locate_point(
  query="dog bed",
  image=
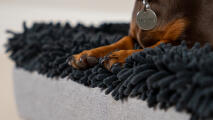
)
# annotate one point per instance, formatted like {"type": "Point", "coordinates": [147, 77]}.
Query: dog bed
{"type": "Point", "coordinates": [164, 76]}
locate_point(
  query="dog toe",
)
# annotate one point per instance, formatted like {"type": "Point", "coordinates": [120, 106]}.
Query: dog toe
{"type": "Point", "coordinates": [115, 59]}
{"type": "Point", "coordinates": [69, 60]}
{"type": "Point", "coordinates": [113, 62]}
{"type": "Point", "coordinates": [81, 62]}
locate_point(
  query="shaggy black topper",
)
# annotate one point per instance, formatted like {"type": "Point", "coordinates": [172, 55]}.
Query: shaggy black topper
{"type": "Point", "coordinates": [164, 76]}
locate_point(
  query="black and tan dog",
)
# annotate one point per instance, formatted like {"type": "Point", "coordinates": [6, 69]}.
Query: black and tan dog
{"type": "Point", "coordinates": [191, 20]}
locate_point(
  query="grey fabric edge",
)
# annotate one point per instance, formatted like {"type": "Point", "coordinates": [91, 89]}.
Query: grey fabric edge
{"type": "Point", "coordinates": [41, 98]}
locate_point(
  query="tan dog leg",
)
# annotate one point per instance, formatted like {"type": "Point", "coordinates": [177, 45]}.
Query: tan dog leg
{"type": "Point", "coordinates": [119, 57]}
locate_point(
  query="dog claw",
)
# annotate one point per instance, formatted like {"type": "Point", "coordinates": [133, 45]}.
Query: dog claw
{"type": "Point", "coordinates": [81, 60]}
{"type": "Point", "coordinates": [116, 64]}
{"type": "Point", "coordinates": [69, 59]}
{"type": "Point", "coordinates": [102, 60]}
{"type": "Point", "coordinates": [107, 57]}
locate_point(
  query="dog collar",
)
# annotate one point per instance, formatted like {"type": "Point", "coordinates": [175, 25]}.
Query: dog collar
{"type": "Point", "coordinates": [146, 18]}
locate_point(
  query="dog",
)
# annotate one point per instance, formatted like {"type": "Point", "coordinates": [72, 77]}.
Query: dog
{"type": "Point", "coordinates": [189, 20]}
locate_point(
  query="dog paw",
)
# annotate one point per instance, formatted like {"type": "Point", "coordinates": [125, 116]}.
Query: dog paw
{"type": "Point", "coordinates": [83, 60]}
{"type": "Point", "coordinates": [115, 58]}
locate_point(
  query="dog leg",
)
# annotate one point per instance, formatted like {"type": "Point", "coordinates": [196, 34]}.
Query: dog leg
{"type": "Point", "coordinates": [89, 58]}
{"type": "Point", "coordinates": [119, 57]}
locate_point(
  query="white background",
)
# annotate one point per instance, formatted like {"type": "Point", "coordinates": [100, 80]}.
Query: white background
{"type": "Point", "coordinates": [14, 12]}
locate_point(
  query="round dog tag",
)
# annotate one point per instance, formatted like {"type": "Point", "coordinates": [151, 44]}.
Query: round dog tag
{"type": "Point", "coordinates": [146, 20]}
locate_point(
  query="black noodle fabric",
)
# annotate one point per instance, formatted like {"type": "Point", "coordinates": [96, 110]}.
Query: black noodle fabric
{"type": "Point", "coordinates": [165, 76]}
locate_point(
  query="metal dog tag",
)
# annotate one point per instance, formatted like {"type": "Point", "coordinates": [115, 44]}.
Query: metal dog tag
{"type": "Point", "coordinates": [146, 19]}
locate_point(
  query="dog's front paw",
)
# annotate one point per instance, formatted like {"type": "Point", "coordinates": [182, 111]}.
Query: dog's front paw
{"type": "Point", "coordinates": [115, 58]}
{"type": "Point", "coordinates": [83, 60]}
